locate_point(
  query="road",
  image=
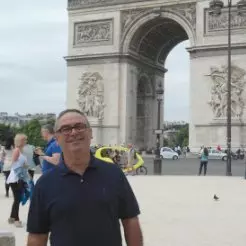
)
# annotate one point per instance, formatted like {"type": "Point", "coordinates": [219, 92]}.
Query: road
{"type": "Point", "coordinates": [190, 167]}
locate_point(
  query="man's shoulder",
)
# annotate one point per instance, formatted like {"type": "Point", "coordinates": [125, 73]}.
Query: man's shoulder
{"type": "Point", "coordinates": [49, 176]}
{"type": "Point", "coordinates": [106, 166]}
{"type": "Point", "coordinates": [55, 146]}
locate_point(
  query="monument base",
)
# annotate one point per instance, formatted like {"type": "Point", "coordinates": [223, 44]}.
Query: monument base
{"type": "Point", "coordinates": [96, 125]}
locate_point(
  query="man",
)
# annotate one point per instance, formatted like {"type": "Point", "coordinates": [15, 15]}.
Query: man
{"type": "Point", "coordinates": [82, 201]}
{"type": "Point", "coordinates": [52, 153]}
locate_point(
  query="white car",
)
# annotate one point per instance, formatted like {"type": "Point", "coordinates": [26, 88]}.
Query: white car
{"type": "Point", "coordinates": [214, 154]}
{"type": "Point", "coordinates": [168, 153]}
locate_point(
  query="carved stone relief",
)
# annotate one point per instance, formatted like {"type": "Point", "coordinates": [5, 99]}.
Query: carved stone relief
{"type": "Point", "coordinates": [75, 4]}
{"type": "Point", "coordinates": [218, 101]}
{"type": "Point", "coordinates": [91, 95]}
{"type": "Point", "coordinates": [219, 23]}
{"type": "Point", "coordinates": [188, 11]}
{"type": "Point", "coordinates": [93, 33]}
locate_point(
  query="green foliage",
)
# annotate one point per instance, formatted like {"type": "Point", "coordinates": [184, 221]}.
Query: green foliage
{"type": "Point", "coordinates": [33, 131]}
{"type": "Point", "coordinates": [5, 132]}
{"type": "Point", "coordinates": [182, 137]}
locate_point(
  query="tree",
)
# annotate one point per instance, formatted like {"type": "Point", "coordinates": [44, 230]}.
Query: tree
{"type": "Point", "coordinates": [182, 137]}
{"type": "Point", "coordinates": [5, 132]}
{"type": "Point", "coordinates": [33, 131]}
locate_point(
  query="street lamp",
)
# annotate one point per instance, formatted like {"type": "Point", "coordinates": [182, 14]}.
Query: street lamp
{"type": "Point", "coordinates": [157, 160]}
{"type": "Point", "coordinates": [215, 9]}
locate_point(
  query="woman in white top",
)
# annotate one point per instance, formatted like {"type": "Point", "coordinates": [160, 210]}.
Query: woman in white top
{"type": "Point", "coordinates": [16, 183]}
{"type": "Point", "coordinates": [7, 161]}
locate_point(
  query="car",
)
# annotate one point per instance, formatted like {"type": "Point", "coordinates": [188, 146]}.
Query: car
{"type": "Point", "coordinates": [214, 154]}
{"type": "Point", "coordinates": [168, 153]}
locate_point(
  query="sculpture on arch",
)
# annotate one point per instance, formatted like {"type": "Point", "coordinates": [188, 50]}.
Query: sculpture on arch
{"type": "Point", "coordinates": [219, 91]}
{"type": "Point", "coordinates": [91, 95]}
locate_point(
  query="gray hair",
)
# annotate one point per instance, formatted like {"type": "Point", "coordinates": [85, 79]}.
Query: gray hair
{"type": "Point", "coordinates": [49, 128]}
{"type": "Point", "coordinates": [70, 111]}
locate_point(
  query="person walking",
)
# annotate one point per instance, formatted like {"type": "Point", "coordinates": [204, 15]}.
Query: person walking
{"type": "Point", "coordinates": [51, 155]}
{"type": "Point", "coordinates": [203, 161]}
{"type": "Point", "coordinates": [7, 153]}
{"type": "Point", "coordinates": [131, 157]}
{"type": "Point", "coordinates": [82, 200]}
{"type": "Point", "coordinates": [18, 177]}
{"type": "Point", "coordinates": [28, 152]}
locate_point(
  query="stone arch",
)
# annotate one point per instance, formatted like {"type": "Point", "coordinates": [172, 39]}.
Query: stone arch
{"type": "Point", "coordinates": [155, 14]}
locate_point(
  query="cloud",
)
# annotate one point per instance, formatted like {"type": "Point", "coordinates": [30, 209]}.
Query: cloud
{"type": "Point", "coordinates": [32, 69]}
{"type": "Point", "coordinates": [33, 43]}
{"type": "Point", "coordinates": [176, 98]}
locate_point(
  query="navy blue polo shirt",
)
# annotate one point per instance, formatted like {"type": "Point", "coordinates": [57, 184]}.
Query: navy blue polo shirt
{"type": "Point", "coordinates": [51, 148]}
{"type": "Point", "coordinates": [82, 210]}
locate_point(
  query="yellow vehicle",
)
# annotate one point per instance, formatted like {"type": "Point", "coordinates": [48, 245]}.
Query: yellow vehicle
{"type": "Point", "coordinates": [104, 154]}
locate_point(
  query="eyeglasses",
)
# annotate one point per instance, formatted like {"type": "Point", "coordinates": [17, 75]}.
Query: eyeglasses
{"type": "Point", "coordinates": [66, 130]}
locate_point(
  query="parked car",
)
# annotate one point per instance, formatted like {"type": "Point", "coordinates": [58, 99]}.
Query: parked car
{"type": "Point", "coordinates": [168, 153]}
{"type": "Point", "coordinates": [214, 154]}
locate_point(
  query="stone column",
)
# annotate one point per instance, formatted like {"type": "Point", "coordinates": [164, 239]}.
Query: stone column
{"type": "Point", "coordinates": [7, 239]}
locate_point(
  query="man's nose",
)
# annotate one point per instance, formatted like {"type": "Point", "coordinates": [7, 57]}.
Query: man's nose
{"type": "Point", "coordinates": [74, 131]}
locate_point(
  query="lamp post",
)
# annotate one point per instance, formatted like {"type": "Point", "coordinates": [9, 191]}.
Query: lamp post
{"type": "Point", "coordinates": [157, 160]}
{"type": "Point", "coordinates": [215, 9]}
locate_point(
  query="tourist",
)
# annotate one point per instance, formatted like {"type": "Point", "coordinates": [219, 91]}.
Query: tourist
{"type": "Point", "coordinates": [81, 201]}
{"type": "Point", "coordinates": [18, 177]}
{"type": "Point", "coordinates": [131, 156]}
{"type": "Point", "coordinates": [184, 151]}
{"type": "Point", "coordinates": [7, 161]}
{"type": "Point", "coordinates": [52, 153]}
{"type": "Point", "coordinates": [203, 161]}
{"type": "Point", "coordinates": [28, 151]}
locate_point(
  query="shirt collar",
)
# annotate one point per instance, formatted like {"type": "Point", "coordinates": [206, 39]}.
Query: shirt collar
{"type": "Point", "coordinates": [51, 141]}
{"type": "Point", "coordinates": [65, 170]}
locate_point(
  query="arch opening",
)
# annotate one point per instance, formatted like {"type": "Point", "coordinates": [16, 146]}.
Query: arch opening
{"type": "Point", "coordinates": [156, 38]}
{"type": "Point", "coordinates": [152, 42]}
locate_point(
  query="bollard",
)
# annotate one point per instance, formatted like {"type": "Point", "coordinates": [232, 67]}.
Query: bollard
{"type": "Point", "coordinates": [7, 239]}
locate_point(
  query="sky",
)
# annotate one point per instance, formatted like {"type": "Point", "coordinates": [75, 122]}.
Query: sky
{"type": "Point", "coordinates": [33, 42]}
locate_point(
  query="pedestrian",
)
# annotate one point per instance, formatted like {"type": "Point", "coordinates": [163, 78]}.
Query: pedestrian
{"type": "Point", "coordinates": [51, 155]}
{"type": "Point", "coordinates": [28, 152]}
{"type": "Point", "coordinates": [184, 151]}
{"type": "Point", "coordinates": [7, 161]}
{"type": "Point", "coordinates": [18, 177]}
{"type": "Point", "coordinates": [82, 200]}
{"type": "Point", "coordinates": [203, 161]}
{"type": "Point", "coordinates": [131, 157]}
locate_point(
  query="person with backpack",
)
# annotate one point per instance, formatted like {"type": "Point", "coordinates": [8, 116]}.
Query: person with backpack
{"type": "Point", "coordinates": [203, 161]}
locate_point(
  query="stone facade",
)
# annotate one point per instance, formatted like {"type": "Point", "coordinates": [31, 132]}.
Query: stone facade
{"type": "Point", "coordinates": [112, 58]}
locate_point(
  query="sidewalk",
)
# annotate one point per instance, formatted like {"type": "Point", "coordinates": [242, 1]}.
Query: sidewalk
{"type": "Point", "coordinates": [177, 211]}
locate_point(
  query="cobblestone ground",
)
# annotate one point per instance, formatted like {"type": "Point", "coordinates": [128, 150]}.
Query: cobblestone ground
{"type": "Point", "coordinates": [177, 211]}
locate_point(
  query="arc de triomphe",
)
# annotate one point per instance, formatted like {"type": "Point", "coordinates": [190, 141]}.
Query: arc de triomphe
{"type": "Point", "coordinates": [116, 59]}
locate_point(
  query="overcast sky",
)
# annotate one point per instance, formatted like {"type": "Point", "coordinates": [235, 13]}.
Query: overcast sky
{"type": "Point", "coordinates": [33, 42]}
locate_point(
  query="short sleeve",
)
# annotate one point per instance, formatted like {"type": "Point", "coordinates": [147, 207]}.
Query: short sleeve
{"type": "Point", "coordinates": [128, 205]}
{"type": "Point", "coordinates": [56, 149]}
{"type": "Point", "coordinates": [38, 217]}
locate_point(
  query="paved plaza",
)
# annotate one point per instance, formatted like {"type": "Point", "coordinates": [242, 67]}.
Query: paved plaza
{"type": "Point", "coordinates": [177, 211]}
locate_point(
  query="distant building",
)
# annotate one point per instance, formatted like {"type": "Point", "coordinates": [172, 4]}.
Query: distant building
{"type": "Point", "coordinates": [19, 120]}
